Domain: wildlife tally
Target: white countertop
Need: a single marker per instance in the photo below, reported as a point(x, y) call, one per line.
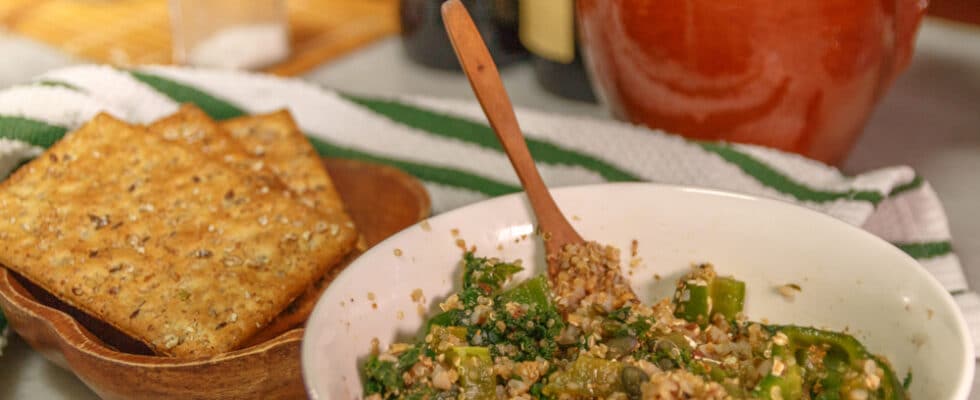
point(929, 120)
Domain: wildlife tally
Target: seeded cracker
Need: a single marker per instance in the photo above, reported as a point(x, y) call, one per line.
point(276, 139)
point(109, 221)
point(192, 128)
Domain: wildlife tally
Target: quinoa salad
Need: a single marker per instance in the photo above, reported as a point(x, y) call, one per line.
point(583, 334)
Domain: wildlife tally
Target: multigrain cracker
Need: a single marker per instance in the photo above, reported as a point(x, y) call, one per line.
point(276, 138)
point(192, 128)
point(170, 247)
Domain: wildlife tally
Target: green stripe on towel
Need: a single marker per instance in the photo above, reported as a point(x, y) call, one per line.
point(218, 109)
point(776, 180)
point(31, 131)
point(431, 173)
point(926, 249)
point(465, 130)
point(912, 185)
point(482, 135)
point(57, 83)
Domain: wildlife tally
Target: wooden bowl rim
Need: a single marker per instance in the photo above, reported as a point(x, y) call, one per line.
point(73, 334)
point(425, 202)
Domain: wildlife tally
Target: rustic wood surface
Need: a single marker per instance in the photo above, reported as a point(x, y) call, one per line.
point(138, 32)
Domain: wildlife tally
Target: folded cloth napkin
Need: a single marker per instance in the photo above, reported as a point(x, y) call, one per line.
point(448, 145)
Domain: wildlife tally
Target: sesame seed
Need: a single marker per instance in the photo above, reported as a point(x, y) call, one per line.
point(170, 341)
point(202, 253)
point(263, 220)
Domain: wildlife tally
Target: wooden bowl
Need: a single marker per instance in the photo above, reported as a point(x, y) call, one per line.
point(381, 200)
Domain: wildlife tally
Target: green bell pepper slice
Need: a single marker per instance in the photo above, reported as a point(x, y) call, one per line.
point(534, 292)
point(787, 386)
point(586, 377)
point(475, 367)
point(854, 353)
point(697, 300)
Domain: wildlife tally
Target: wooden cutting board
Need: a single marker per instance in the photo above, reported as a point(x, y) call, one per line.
point(134, 32)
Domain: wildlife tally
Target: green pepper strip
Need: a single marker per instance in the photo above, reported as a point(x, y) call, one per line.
point(790, 385)
point(534, 292)
point(586, 377)
point(727, 297)
point(693, 302)
point(448, 318)
point(476, 378)
point(722, 295)
point(789, 382)
point(890, 385)
point(803, 337)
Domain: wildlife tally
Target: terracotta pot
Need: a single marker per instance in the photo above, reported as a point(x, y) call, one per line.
point(800, 75)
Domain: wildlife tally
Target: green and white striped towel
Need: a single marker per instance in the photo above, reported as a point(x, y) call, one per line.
point(449, 146)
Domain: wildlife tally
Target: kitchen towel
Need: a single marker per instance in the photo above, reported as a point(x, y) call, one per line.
point(449, 146)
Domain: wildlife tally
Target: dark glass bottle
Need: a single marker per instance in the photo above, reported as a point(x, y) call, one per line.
point(548, 30)
point(426, 42)
point(565, 80)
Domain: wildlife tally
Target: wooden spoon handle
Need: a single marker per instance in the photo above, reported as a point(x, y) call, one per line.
point(485, 81)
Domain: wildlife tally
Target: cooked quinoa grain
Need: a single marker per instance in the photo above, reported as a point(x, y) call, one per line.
point(585, 335)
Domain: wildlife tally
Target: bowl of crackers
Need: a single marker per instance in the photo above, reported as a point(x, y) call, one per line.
point(181, 259)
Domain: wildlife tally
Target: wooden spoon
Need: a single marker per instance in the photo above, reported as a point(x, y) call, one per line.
point(489, 89)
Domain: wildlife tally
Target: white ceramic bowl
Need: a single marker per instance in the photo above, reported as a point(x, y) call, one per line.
point(850, 279)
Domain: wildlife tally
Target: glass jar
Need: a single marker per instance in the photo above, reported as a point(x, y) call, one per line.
point(229, 33)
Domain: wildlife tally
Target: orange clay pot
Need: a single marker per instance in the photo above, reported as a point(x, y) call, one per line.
point(797, 75)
